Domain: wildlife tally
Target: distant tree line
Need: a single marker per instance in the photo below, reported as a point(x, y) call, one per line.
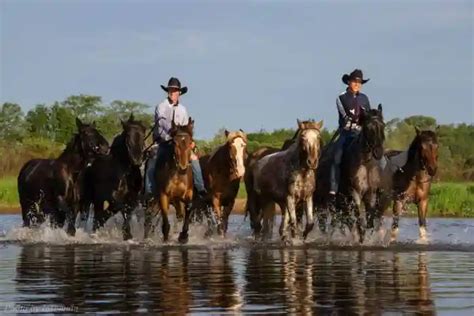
point(43, 131)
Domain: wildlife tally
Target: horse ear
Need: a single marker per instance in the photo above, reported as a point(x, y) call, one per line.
point(93, 124)
point(319, 125)
point(78, 123)
point(226, 133)
point(300, 124)
point(124, 124)
point(417, 130)
point(190, 126)
point(131, 118)
point(437, 128)
point(380, 107)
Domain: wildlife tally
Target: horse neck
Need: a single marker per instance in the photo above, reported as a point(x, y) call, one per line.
point(364, 153)
point(72, 157)
point(413, 164)
point(119, 150)
point(294, 153)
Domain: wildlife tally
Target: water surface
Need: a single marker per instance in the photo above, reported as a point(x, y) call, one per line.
point(101, 273)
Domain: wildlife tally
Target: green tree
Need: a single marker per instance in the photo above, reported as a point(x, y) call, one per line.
point(11, 122)
point(124, 108)
point(62, 122)
point(37, 121)
point(86, 107)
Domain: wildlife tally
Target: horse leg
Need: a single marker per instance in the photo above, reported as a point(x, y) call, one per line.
point(59, 216)
point(126, 213)
point(216, 205)
point(360, 216)
point(370, 201)
point(183, 236)
point(397, 208)
point(422, 210)
point(225, 218)
point(99, 215)
point(164, 206)
point(268, 213)
point(150, 212)
point(309, 217)
point(284, 222)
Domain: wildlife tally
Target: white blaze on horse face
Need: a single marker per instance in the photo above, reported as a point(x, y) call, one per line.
point(312, 140)
point(240, 146)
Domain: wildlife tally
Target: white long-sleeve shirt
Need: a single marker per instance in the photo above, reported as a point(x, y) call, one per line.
point(165, 112)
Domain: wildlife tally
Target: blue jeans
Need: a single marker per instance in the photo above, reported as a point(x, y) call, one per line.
point(164, 150)
point(345, 138)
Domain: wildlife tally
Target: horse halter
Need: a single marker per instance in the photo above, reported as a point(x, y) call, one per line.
point(176, 161)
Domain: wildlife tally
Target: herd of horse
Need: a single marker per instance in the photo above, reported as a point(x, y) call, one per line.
point(90, 173)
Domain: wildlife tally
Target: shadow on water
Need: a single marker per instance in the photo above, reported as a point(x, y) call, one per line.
point(301, 281)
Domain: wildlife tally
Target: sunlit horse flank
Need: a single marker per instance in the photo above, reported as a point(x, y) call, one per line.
point(174, 183)
point(410, 178)
point(288, 178)
point(223, 170)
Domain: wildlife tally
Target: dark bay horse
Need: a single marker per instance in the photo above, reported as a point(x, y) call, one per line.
point(115, 179)
point(51, 186)
point(413, 173)
point(174, 182)
point(287, 178)
point(360, 176)
point(252, 206)
point(222, 170)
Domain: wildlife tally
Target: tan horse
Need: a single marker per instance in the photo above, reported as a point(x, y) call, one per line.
point(287, 178)
point(222, 170)
point(174, 181)
point(411, 177)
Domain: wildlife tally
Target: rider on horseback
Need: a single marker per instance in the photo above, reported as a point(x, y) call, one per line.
point(350, 105)
point(165, 113)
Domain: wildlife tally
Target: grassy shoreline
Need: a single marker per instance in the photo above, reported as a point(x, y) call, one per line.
point(447, 199)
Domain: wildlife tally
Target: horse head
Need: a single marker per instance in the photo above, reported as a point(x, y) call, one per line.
point(134, 134)
point(427, 146)
point(182, 137)
point(237, 144)
point(373, 131)
point(92, 142)
point(309, 142)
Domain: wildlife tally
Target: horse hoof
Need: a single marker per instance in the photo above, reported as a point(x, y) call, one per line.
point(423, 233)
point(183, 238)
point(394, 235)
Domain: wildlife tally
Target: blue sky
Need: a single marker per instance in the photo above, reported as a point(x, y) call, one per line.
point(248, 64)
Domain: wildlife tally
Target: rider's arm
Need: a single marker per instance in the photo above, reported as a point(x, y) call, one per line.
point(340, 109)
point(162, 125)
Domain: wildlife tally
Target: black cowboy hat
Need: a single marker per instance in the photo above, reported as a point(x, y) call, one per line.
point(355, 75)
point(175, 83)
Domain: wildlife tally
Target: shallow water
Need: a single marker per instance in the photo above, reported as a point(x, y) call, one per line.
point(45, 270)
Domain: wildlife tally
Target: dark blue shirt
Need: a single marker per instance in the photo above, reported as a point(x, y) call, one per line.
point(350, 107)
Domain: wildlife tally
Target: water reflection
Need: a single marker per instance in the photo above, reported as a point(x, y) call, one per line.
point(183, 280)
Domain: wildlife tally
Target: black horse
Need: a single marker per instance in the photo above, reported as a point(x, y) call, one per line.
point(50, 187)
point(116, 178)
point(360, 177)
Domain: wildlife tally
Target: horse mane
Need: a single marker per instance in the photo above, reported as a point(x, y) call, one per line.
point(418, 140)
point(72, 146)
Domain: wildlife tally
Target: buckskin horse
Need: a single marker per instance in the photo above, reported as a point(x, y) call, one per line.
point(222, 170)
point(115, 179)
point(360, 177)
point(51, 186)
point(411, 173)
point(174, 182)
point(287, 178)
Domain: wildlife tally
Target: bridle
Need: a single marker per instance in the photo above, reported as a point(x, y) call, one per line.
point(173, 143)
